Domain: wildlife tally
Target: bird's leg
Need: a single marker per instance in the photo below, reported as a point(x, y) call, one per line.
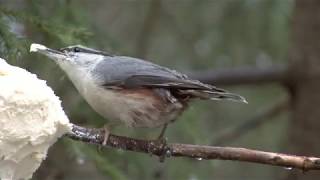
point(106, 129)
point(163, 130)
point(163, 142)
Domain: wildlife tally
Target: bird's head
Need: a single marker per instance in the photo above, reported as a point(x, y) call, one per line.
point(77, 55)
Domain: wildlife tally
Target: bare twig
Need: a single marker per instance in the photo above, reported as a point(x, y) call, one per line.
point(158, 148)
point(243, 75)
point(256, 121)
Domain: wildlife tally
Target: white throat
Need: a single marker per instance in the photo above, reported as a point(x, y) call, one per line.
point(80, 75)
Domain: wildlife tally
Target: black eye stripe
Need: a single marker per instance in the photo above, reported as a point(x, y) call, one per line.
point(83, 50)
point(76, 49)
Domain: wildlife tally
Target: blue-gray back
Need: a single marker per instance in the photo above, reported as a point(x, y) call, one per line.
point(133, 72)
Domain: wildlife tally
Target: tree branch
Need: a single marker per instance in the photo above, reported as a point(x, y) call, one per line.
point(243, 75)
point(158, 148)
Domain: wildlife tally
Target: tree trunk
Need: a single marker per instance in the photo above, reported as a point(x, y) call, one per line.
point(304, 129)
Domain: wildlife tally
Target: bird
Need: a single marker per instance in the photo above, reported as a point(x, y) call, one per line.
point(131, 91)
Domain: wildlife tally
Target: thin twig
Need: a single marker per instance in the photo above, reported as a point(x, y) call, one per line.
point(243, 75)
point(158, 148)
point(256, 121)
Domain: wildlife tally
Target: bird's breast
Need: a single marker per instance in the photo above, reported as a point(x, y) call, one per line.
point(133, 107)
point(140, 107)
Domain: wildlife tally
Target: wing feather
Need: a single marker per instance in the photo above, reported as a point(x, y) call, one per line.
point(166, 82)
point(129, 73)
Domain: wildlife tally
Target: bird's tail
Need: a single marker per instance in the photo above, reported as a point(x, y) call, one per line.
point(216, 95)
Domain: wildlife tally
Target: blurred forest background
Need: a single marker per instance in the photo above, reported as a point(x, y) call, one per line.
point(265, 50)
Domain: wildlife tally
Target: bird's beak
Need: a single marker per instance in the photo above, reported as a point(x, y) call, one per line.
point(51, 53)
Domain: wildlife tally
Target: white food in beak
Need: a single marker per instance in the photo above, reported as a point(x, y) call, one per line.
point(35, 47)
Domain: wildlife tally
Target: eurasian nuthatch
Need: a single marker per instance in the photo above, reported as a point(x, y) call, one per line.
point(128, 90)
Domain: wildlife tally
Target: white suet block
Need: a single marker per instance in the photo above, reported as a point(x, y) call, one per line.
point(31, 120)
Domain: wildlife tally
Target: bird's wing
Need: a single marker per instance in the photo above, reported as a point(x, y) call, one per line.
point(133, 73)
point(130, 73)
point(146, 80)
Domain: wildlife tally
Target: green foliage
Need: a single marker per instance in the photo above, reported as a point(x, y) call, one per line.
point(99, 157)
point(66, 34)
point(11, 46)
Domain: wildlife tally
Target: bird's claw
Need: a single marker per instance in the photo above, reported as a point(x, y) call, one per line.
point(162, 141)
point(106, 135)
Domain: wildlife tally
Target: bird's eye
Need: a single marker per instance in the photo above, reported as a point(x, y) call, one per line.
point(76, 49)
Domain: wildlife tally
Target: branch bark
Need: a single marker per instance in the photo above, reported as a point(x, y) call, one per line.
point(199, 152)
point(243, 75)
